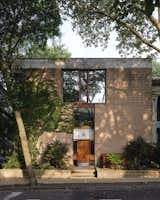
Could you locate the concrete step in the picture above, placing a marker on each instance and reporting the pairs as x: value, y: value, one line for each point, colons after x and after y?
x: 83, y: 172
x: 76, y: 169
x: 83, y: 175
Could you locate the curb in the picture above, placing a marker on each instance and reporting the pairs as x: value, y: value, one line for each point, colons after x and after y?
x: 76, y: 182
x: 82, y: 186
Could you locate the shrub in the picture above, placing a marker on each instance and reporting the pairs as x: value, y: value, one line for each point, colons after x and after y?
x: 112, y: 160
x: 138, y: 154
x: 55, y: 153
x: 11, y: 161
x: 115, y: 160
x: 155, y: 162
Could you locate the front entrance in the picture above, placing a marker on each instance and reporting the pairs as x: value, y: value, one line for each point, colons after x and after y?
x: 83, y: 152
x: 83, y: 135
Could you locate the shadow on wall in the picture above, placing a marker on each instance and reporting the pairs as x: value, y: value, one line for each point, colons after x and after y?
x: 127, y: 112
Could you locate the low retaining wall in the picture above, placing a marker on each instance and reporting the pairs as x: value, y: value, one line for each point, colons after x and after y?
x: 121, y: 174
x: 19, y: 176
x: 49, y: 176
x: 13, y: 177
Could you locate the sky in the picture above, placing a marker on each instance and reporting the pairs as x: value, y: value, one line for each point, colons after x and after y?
x: 73, y: 43
x: 75, y: 46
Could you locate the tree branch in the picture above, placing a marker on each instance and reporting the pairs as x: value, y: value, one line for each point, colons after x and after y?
x: 6, y: 114
x: 129, y: 27
x: 152, y: 19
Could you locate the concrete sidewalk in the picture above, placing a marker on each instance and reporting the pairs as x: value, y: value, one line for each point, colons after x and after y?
x: 71, y: 181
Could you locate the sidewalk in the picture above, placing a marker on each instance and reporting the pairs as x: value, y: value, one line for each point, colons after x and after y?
x: 70, y: 181
x: 78, y: 184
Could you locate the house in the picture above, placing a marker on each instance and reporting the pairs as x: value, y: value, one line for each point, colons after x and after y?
x: 156, y: 109
x: 112, y: 101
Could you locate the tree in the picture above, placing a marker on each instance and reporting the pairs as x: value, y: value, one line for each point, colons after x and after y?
x: 137, y: 23
x: 22, y: 24
x: 56, y: 51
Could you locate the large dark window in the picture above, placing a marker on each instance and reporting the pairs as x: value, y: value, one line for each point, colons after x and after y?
x: 86, y: 86
x: 84, y: 116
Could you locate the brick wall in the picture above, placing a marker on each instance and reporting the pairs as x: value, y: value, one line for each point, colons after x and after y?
x: 127, y: 112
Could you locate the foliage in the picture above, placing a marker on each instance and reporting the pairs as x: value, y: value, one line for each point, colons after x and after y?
x: 45, y: 165
x: 39, y: 105
x: 24, y: 23
x: 57, y: 51
x: 138, y: 154
x: 11, y: 161
x: 55, y: 153
x: 136, y: 23
x: 155, y: 160
x: 10, y: 144
x: 156, y: 69
x: 66, y: 119
x: 115, y: 160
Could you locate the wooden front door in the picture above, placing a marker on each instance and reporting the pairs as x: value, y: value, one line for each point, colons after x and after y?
x: 83, y: 151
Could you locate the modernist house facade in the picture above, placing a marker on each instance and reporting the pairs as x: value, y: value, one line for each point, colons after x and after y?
x: 112, y: 99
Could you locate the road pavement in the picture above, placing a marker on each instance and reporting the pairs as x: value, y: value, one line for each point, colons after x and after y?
x: 84, y: 192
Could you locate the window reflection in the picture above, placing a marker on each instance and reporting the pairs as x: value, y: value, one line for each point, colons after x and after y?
x: 86, y: 86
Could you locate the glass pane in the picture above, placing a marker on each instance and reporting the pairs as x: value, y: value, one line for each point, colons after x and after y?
x: 70, y: 86
x: 92, y: 147
x: 84, y: 116
x: 83, y: 85
x: 74, y: 147
x: 87, y: 86
x: 158, y: 135
x: 97, y: 86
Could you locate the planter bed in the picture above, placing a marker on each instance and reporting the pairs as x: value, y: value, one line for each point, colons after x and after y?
x: 117, y: 174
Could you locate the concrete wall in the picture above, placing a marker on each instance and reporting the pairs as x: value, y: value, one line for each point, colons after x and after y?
x: 49, y: 138
x: 127, y: 112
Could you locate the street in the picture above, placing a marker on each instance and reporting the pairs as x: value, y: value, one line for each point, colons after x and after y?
x: 85, y: 192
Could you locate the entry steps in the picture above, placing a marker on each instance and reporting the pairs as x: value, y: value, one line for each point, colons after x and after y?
x: 83, y: 172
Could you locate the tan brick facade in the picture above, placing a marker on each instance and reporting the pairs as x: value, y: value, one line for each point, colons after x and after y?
x: 127, y: 112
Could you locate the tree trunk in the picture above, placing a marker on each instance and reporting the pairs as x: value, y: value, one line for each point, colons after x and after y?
x: 25, y: 148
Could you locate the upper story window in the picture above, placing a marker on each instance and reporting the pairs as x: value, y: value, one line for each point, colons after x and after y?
x: 87, y: 86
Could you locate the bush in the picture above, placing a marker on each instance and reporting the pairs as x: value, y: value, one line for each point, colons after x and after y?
x: 55, y: 153
x: 155, y: 162
x: 115, y: 160
x: 11, y: 161
x: 138, y: 154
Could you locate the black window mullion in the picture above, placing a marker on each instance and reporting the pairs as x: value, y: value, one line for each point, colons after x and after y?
x: 79, y: 83
x: 87, y: 87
